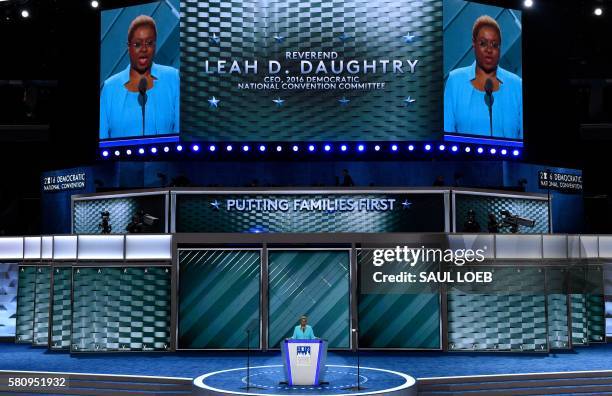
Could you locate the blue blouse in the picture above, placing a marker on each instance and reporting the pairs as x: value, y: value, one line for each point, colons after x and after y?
x: 465, y: 110
x: 121, y: 114
x: 307, y: 334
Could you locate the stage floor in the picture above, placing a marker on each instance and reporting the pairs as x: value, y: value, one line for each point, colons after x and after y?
x: 194, y: 364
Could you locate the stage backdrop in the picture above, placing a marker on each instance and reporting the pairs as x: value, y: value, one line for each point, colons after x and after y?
x: 218, y: 299
x: 8, y: 298
x: 313, y: 283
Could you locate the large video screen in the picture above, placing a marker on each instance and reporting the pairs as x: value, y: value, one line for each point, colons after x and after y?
x: 344, y: 70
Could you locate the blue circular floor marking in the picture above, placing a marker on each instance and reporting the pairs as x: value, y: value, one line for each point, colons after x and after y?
x: 264, y: 380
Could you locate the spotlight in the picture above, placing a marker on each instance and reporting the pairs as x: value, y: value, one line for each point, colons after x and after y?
x: 117, y: 153
x: 442, y: 147
x: 141, y: 151
x: 212, y: 147
x: 427, y: 147
x: 245, y: 148
x: 454, y: 149
x: 195, y: 147
x: 361, y: 147
x: 493, y: 151
x: 411, y: 147
x: 504, y: 152
x: 166, y: 149
x: 179, y: 148
x: 128, y: 152
x: 480, y: 150
x: 598, y: 11
x: 154, y: 150
x: 377, y: 148
x: 311, y: 148
x: 327, y: 147
x: 262, y: 148
x: 95, y: 4
x: 394, y: 147
x: 25, y: 13
x: 279, y: 148
x: 528, y: 3
x: 343, y: 147
x: 229, y: 147
x: 515, y: 153
x: 468, y: 149
x: 295, y: 148
x: 105, y: 153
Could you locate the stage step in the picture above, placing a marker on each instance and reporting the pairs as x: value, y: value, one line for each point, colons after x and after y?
x: 580, y: 382
x: 100, y: 384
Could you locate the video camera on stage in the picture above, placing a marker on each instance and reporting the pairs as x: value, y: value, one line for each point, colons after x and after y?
x: 141, y: 223
x: 105, y: 225
x: 514, y: 221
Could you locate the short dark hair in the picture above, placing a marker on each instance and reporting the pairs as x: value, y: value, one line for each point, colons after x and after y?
x: 485, y: 21
x: 140, y: 21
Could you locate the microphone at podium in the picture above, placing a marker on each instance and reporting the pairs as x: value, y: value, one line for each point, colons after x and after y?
x: 142, y: 99
x: 489, y: 101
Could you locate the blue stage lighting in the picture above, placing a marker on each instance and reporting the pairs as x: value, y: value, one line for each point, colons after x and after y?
x: 262, y: 148
x: 212, y: 147
x: 117, y: 153
x: 427, y: 147
x: 166, y: 149
x: 105, y: 153
x: 493, y: 151
x: 468, y: 149
x: 394, y: 147
x: 195, y: 147
x: 229, y: 147
x: 128, y: 152
x: 179, y: 148
x: 516, y: 153
x: 279, y: 148
x: 361, y: 147
x: 442, y: 147
x: 343, y: 147
x: 504, y: 152
x: 311, y: 148
x: 154, y: 150
x: 411, y: 147
x: 295, y: 148
x: 454, y: 149
x: 377, y: 148
x: 245, y: 148
x: 480, y: 150
x: 327, y: 147
x: 141, y: 151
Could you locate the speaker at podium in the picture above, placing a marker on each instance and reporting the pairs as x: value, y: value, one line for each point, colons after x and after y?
x: 304, y: 361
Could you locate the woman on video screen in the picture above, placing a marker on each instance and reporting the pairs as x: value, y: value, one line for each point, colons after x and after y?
x: 468, y: 108
x: 142, y: 84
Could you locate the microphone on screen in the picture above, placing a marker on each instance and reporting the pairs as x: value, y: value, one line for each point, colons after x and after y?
x: 142, y: 99
x: 489, y: 101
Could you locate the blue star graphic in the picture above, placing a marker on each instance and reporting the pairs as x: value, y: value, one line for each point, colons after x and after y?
x: 344, y: 101
x: 214, y: 102
x: 279, y: 102
x: 343, y: 37
x: 406, y: 204
x: 409, y: 100
x: 216, y: 204
x: 279, y: 39
x: 409, y: 38
x: 214, y: 39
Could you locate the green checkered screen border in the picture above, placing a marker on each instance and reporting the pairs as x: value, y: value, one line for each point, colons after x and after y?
x: 121, y: 309
x: 218, y: 299
x: 26, y: 292
x: 41, y: 306
x: 61, y: 315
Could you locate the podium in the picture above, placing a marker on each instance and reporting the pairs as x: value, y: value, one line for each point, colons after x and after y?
x: 304, y: 361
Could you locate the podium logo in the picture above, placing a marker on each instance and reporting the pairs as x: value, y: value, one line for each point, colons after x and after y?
x: 303, y: 351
